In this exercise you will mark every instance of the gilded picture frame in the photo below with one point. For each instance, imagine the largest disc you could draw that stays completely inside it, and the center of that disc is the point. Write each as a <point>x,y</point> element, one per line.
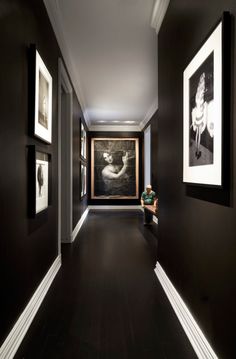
<point>115,168</point>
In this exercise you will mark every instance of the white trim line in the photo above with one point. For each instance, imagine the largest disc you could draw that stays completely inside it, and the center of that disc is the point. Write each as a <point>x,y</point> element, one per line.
<point>118,128</point>
<point>98,207</point>
<point>196,337</point>
<point>59,156</point>
<point>158,14</point>
<point>16,335</point>
<point>79,225</point>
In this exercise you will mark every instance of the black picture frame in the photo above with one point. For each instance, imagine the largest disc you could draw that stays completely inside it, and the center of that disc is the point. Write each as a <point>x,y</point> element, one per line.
<point>206,109</point>
<point>39,180</point>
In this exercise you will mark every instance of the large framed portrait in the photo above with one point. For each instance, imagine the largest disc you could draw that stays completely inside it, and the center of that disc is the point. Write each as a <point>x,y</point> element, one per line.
<point>83,140</point>
<point>39,180</point>
<point>204,109</point>
<point>42,97</point>
<point>115,168</point>
<point>83,180</point>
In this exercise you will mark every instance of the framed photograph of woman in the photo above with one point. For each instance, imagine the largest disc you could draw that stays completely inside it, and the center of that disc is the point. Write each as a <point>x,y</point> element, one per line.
<point>114,168</point>
<point>39,180</point>
<point>83,140</point>
<point>204,108</point>
<point>41,96</point>
<point>83,180</point>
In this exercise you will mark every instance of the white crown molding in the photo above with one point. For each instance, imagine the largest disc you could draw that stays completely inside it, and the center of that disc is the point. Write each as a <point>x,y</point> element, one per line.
<point>118,128</point>
<point>55,17</point>
<point>15,337</point>
<point>79,224</point>
<point>149,115</point>
<point>159,11</point>
<point>196,337</point>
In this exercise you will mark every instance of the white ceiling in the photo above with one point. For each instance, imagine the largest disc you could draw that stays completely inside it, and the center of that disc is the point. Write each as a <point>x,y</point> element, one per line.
<point>111,53</point>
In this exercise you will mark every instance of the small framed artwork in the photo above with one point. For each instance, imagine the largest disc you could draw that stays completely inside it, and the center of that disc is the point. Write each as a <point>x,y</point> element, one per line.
<point>83,140</point>
<point>39,180</point>
<point>83,180</point>
<point>205,108</point>
<point>42,97</point>
<point>115,168</point>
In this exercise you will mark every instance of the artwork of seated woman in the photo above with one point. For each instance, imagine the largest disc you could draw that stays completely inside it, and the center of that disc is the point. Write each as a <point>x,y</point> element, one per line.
<point>203,114</point>
<point>199,113</point>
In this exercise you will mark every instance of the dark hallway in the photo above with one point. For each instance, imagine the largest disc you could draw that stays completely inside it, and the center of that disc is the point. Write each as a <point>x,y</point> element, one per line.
<point>106,301</point>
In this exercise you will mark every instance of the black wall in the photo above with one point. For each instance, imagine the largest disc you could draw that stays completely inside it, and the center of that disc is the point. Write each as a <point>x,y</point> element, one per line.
<point>28,247</point>
<point>197,226</point>
<point>117,135</point>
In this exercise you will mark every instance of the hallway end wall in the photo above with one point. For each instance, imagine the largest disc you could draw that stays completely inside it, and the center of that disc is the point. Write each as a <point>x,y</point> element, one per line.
<point>197,225</point>
<point>111,134</point>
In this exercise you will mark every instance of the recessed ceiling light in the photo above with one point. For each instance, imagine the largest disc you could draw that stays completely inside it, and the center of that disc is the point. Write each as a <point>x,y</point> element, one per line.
<point>129,122</point>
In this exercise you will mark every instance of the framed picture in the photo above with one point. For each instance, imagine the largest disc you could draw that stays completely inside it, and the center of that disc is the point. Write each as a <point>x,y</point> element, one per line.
<point>83,180</point>
<point>39,180</point>
<point>83,140</point>
<point>204,109</point>
<point>41,89</point>
<point>115,168</point>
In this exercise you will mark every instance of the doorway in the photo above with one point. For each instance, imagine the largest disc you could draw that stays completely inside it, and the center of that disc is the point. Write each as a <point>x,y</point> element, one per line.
<point>65,175</point>
<point>147,156</point>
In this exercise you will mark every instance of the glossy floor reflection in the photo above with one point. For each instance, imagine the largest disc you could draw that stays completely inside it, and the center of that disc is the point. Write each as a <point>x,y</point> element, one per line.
<point>106,301</point>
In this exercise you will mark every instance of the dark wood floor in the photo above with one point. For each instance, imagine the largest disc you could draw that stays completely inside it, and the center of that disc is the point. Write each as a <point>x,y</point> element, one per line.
<point>106,301</point>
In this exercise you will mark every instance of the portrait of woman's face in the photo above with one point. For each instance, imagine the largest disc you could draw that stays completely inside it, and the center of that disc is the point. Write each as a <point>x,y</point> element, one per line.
<point>109,158</point>
<point>201,89</point>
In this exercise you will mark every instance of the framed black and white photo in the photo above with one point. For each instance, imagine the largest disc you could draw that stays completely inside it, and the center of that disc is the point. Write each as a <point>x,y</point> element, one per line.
<point>39,180</point>
<point>83,140</point>
<point>114,168</point>
<point>41,96</point>
<point>204,110</point>
<point>83,180</point>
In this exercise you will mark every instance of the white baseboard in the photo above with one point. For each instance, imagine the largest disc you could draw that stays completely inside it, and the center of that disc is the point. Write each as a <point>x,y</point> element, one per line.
<point>196,337</point>
<point>16,335</point>
<point>79,225</point>
<point>114,207</point>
